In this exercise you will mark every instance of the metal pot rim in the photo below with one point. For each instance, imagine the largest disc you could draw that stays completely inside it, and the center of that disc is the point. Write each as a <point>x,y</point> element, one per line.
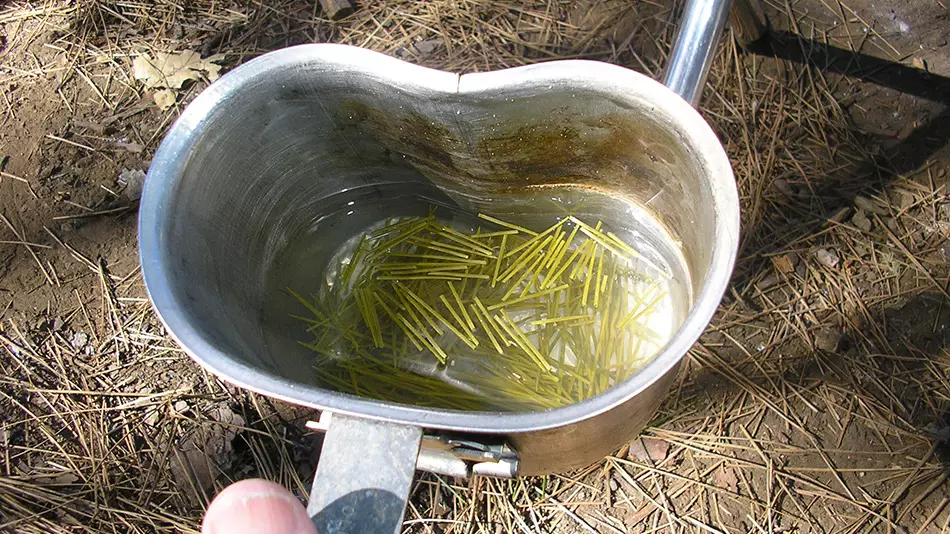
<point>171,157</point>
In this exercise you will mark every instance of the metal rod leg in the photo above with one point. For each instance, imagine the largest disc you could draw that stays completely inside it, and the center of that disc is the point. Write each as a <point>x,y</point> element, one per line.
<point>695,44</point>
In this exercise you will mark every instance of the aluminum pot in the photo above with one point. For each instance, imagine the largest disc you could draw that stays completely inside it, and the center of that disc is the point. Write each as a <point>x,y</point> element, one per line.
<point>254,154</point>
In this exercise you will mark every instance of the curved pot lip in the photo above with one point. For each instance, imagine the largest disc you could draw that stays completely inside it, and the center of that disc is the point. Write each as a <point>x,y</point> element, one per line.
<point>169,162</point>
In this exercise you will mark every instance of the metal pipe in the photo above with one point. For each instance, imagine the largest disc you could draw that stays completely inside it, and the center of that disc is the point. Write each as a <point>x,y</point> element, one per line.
<point>699,31</point>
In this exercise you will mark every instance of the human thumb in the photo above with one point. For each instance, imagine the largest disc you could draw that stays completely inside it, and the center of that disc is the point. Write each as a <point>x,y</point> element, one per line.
<point>256,506</point>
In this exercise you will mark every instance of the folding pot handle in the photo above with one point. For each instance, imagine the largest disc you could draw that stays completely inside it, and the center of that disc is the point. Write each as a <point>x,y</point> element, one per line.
<point>695,44</point>
<point>363,476</point>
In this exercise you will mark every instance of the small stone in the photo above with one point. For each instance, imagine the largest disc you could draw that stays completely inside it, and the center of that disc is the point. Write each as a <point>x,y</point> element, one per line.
<point>784,187</point>
<point>152,417</point>
<point>902,199</point>
<point>427,47</point>
<point>869,205</point>
<point>800,268</point>
<point>79,340</point>
<point>180,406</point>
<point>768,282</point>
<point>828,258</point>
<point>827,339</point>
<point>65,478</point>
<point>135,148</point>
<point>841,214</point>
<point>132,181</point>
<point>57,324</point>
<point>23,468</point>
<point>861,221</point>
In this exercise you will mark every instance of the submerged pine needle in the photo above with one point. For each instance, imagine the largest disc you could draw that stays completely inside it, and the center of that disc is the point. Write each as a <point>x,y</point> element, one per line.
<point>512,319</point>
<point>458,300</point>
<point>526,275</point>
<point>526,297</point>
<point>501,233</point>
<point>564,319</point>
<point>461,322</point>
<point>504,224</point>
<point>487,330</point>
<point>501,253</point>
<point>509,326</point>
<point>487,316</point>
<point>527,256</point>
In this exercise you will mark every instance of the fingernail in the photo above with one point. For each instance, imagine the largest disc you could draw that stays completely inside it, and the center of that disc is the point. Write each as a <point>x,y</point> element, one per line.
<point>257,511</point>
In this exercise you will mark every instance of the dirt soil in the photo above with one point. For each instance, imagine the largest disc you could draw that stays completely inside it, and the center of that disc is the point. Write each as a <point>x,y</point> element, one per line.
<point>817,401</point>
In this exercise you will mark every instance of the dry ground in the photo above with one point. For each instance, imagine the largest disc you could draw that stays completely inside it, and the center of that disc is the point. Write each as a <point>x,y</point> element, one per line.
<point>817,401</point>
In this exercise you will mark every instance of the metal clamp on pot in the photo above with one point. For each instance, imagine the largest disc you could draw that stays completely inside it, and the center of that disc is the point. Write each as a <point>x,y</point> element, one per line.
<point>455,455</point>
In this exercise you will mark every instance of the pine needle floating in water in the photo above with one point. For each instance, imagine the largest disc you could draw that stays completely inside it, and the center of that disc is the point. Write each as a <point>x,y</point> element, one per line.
<point>505,319</point>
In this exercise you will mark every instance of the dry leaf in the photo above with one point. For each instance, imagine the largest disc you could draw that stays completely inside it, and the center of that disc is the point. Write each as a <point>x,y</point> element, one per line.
<point>207,451</point>
<point>648,450</point>
<point>784,264</point>
<point>171,71</point>
<point>165,98</point>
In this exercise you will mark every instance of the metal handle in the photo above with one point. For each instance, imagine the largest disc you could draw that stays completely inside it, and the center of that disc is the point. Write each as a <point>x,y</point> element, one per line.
<point>363,476</point>
<point>699,31</point>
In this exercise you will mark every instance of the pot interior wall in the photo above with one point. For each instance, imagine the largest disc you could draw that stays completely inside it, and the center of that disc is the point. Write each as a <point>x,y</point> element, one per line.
<point>271,161</point>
